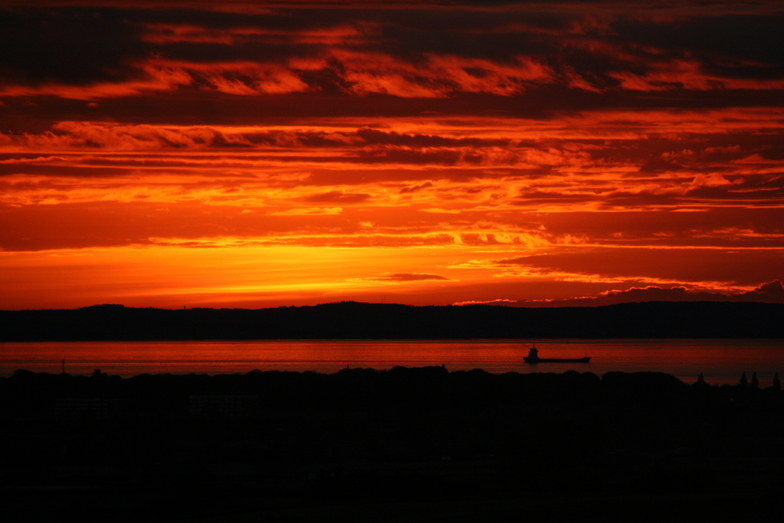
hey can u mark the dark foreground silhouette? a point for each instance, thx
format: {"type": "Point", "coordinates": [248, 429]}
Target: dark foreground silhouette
{"type": "Point", "coordinates": [351, 320]}
{"type": "Point", "coordinates": [406, 444]}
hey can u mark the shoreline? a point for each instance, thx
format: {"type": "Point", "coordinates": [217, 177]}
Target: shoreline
{"type": "Point", "coordinates": [352, 320]}
{"type": "Point", "coordinates": [302, 446]}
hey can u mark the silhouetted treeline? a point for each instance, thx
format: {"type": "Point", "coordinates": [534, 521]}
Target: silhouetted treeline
{"type": "Point", "coordinates": [363, 444]}
{"type": "Point", "coordinates": [351, 320]}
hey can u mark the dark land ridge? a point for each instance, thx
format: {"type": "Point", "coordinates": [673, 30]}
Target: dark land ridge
{"type": "Point", "coordinates": [352, 320]}
{"type": "Point", "coordinates": [404, 444]}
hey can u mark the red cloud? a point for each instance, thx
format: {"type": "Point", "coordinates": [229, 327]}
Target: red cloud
{"type": "Point", "coordinates": [771, 292]}
{"type": "Point", "coordinates": [337, 197]}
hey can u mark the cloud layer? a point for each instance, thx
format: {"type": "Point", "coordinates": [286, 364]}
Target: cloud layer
{"type": "Point", "coordinates": [423, 154]}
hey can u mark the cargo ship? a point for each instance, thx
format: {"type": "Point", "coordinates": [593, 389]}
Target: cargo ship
{"type": "Point", "coordinates": [533, 357]}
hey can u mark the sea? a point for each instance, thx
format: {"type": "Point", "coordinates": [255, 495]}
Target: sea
{"type": "Point", "coordinates": [719, 361]}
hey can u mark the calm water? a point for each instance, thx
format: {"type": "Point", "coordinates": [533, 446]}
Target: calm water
{"type": "Point", "coordinates": [720, 361]}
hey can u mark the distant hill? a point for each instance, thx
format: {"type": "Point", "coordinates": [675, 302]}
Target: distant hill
{"type": "Point", "coordinates": [352, 320]}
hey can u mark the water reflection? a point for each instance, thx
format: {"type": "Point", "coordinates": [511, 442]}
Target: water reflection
{"type": "Point", "coordinates": [720, 361]}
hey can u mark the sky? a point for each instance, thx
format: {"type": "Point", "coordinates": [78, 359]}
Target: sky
{"type": "Point", "coordinates": [259, 154]}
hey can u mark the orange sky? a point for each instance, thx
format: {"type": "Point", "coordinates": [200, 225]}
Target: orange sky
{"type": "Point", "coordinates": [252, 154]}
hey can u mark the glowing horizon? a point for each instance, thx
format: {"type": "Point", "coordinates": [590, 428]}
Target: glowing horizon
{"type": "Point", "coordinates": [254, 155]}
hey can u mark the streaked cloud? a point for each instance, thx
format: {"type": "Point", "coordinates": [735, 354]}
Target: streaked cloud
{"type": "Point", "coordinates": [557, 150]}
{"type": "Point", "coordinates": [771, 292]}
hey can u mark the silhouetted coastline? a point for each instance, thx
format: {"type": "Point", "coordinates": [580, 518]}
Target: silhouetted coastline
{"type": "Point", "coordinates": [404, 444]}
{"type": "Point", "coordinates": [351, 320]}
{"type": "Point", "coordinates": [421, 444]}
